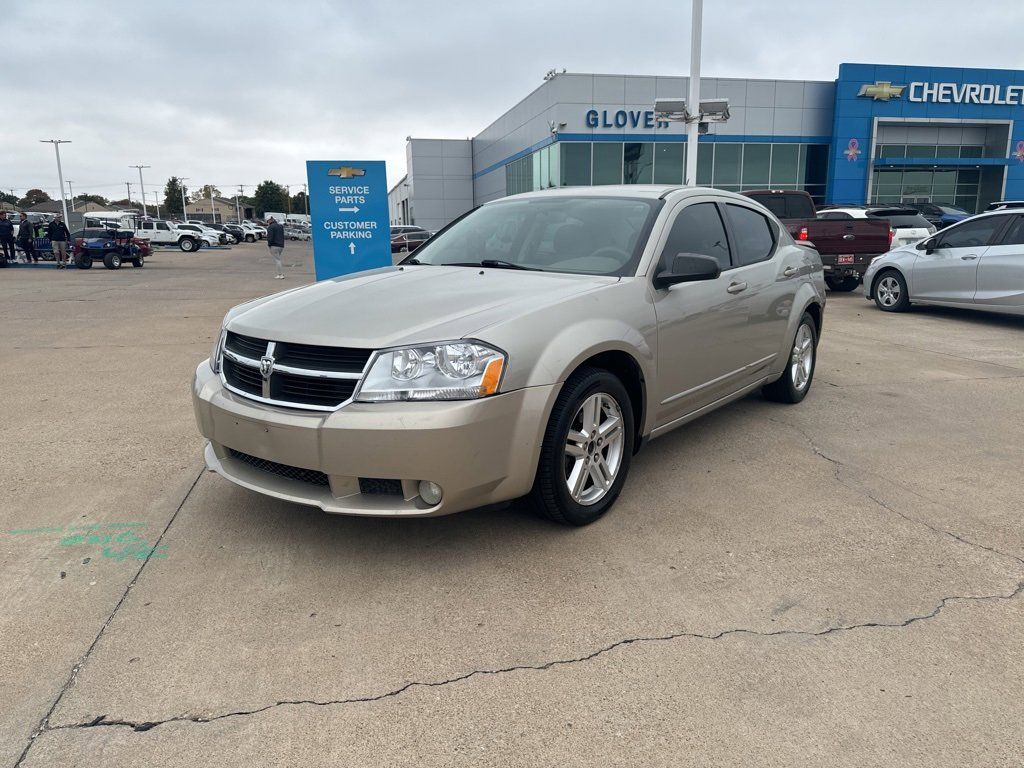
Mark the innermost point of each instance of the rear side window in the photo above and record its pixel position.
(1015, 234)
(971, 234)
(798, 207)
(698, 229)
(834, 216)
(903, 220)
(752, 234)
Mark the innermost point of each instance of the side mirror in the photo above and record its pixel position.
(687, 268)
(928, 245)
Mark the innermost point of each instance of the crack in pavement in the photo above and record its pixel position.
(102, 721)
(44, 724)
(839, 467)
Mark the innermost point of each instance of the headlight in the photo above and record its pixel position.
(218, 348)
(454, 370)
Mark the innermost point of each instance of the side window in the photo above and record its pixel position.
(834, 216)
(162, 226)
(972, 234)
(698, 229)
(754, 239)
(147, 225)
(1014, 233)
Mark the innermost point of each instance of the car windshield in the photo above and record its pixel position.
(901, 219)
(585, 234)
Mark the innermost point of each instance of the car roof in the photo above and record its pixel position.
(861, 212)
(635, 191)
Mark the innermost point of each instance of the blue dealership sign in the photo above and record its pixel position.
(348, 205)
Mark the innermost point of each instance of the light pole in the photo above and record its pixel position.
(213, 208)
(71, 194)
(238, 210)
(181, 188)
(288, 197)
(60, 173)
(305, 197)
(156, 201)
(142, 189)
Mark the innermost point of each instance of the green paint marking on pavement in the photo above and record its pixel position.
(24, 531)
(118, 540)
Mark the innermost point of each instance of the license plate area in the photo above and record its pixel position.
(845, 258)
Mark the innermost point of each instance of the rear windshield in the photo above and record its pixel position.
(901, 219)
(585, 234)
(786, 206)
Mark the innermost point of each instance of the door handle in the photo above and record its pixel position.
(848, 237)
(968, 258)
(736, 287)
(789, 271)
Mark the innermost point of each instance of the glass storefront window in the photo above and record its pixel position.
(816, 171)
(576, 164)
(972, 151)
(637, 163)
(607, 162)
(891, 150)
(921, 150)
(727, 165)
(785, 165)
(554, 153)
(757, 161)
(705, 164)
(669, 162)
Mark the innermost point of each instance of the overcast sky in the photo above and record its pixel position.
(238, 92)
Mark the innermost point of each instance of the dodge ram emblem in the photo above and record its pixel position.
(266, 367)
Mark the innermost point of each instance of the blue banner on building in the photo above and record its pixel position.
(348, 205)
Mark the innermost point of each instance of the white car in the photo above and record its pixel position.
(977, 263)
(160, 232)
(907, 226)
(256, 229)
(209, 236)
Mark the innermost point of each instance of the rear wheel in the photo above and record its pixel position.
(891, 294)
(250, 239)
(842, 284)
(84, 261)
(795, 381)
(187, 244)
(139, 261)
(587, 449)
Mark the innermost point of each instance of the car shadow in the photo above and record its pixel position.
(991, 319)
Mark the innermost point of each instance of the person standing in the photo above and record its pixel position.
(7, 238)
(275, 242)
(58, 234)
(25, 235)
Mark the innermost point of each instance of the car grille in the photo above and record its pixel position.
(376, 486)
(322, 378)
(311, 476)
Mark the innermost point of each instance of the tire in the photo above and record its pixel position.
(250, 239)
(590, 394)
(84, 261)
(187, 244)
(890, 291)
(112, 260)
(139, 261)
(796, 379)
(842, 284)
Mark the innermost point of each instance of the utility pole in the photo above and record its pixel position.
(128, 186)
(305, 197)
(213, 208)
(71, 194)
(181, 188)
(693, 126)
(142, 189)
(238, 210)
(60, 173)
(288, 197)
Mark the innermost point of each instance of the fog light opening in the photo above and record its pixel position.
(430, 492)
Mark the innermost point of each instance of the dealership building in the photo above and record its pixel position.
(879, 133)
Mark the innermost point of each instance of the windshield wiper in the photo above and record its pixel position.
(492, 263)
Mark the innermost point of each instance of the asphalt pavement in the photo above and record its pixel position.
(833, 583)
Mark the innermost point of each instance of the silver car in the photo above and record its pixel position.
(977, 263)
(528, 350)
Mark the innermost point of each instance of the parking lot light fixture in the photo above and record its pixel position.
(142, 189)
(60, 173)
(181, 188)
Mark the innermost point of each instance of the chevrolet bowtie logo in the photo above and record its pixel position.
(882, 90)
(347, 172)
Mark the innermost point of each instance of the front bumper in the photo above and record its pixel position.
(479, 451)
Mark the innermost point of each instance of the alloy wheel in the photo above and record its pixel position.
(593, 449)
(802, 358)
(888, 290)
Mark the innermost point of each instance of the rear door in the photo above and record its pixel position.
(950, 271)
(1001, 269)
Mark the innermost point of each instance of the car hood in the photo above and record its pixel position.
(409, 305)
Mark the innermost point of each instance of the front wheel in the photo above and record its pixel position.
(891, 294)
(112, 260)
(842, 284)
(250, 239)
(587, 448)
(796, 379)
(139, 261)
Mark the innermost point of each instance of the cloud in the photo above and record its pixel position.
(230, 93)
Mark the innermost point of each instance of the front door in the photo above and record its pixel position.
(950, 271)
(702, 340)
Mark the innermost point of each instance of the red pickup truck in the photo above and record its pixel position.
(846, 247)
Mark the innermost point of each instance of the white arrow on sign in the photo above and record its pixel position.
(353, 209)
(352, 248)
